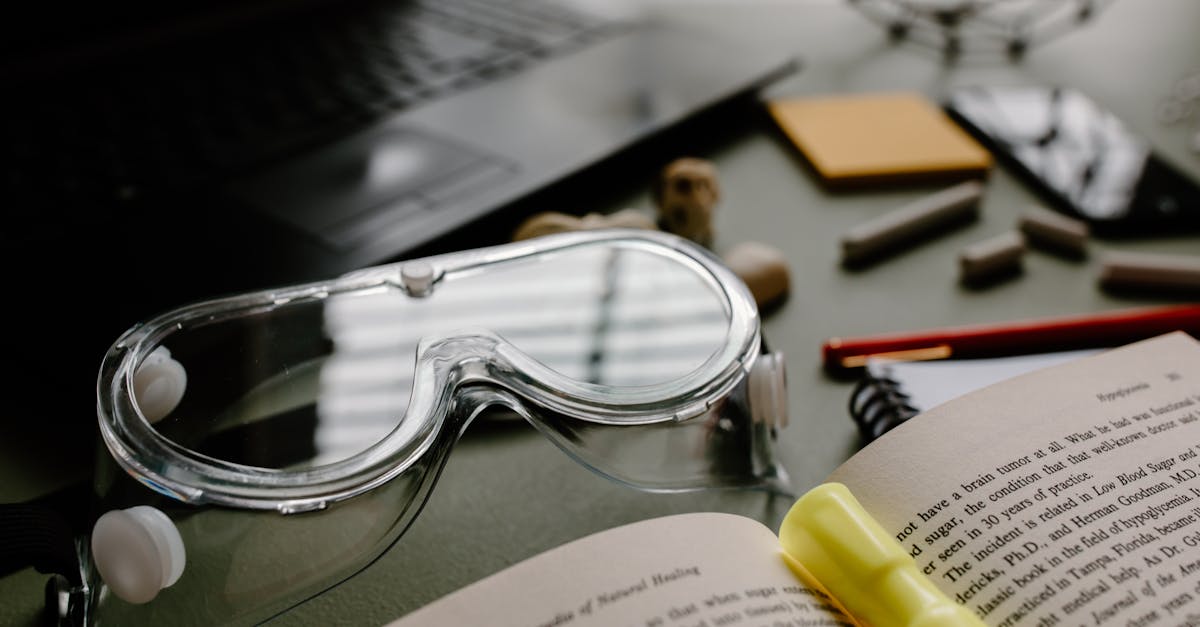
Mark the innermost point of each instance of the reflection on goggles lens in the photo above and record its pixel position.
(336, 404)
(319, 380)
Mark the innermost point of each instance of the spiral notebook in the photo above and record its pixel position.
(891, 392)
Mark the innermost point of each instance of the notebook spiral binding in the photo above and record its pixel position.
(878, 405)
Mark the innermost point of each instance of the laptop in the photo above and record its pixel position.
(161, 153)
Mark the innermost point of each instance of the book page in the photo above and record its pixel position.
(1066, 496)
(688, 570)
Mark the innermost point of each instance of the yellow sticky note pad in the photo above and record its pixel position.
(876, 138)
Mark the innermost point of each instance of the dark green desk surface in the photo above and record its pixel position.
(507, 494)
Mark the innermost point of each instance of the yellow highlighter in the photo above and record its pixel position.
(829, 537)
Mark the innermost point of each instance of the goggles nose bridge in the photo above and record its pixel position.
(452, 368)
(473, 369)
(473, 399)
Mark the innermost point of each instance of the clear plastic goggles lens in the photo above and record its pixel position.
(319, 377)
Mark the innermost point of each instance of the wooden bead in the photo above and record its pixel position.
(1054, 232)
(549, 222)
(764, 270)
(911, 223)
(992, 257)
(1151, 271)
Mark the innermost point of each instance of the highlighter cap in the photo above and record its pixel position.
(838, 544)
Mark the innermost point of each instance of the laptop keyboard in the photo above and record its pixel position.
(188, 115)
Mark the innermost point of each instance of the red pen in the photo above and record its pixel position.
(1026, 336)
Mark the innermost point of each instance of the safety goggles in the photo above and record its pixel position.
(265, 447)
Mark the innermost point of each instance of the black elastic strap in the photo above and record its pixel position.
(34, 535)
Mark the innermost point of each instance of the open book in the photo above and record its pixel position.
(1066, 496)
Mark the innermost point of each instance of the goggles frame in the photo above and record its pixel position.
(448, 367)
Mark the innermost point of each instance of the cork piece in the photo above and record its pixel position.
(911, 222)
(1145, 271)
(763, 268)
(686, 193)
(1054, 232)
(549, 222)
(992, 258)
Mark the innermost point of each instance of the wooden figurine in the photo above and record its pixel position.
(686, 194)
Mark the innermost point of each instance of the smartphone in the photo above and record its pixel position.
(1083, 159)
